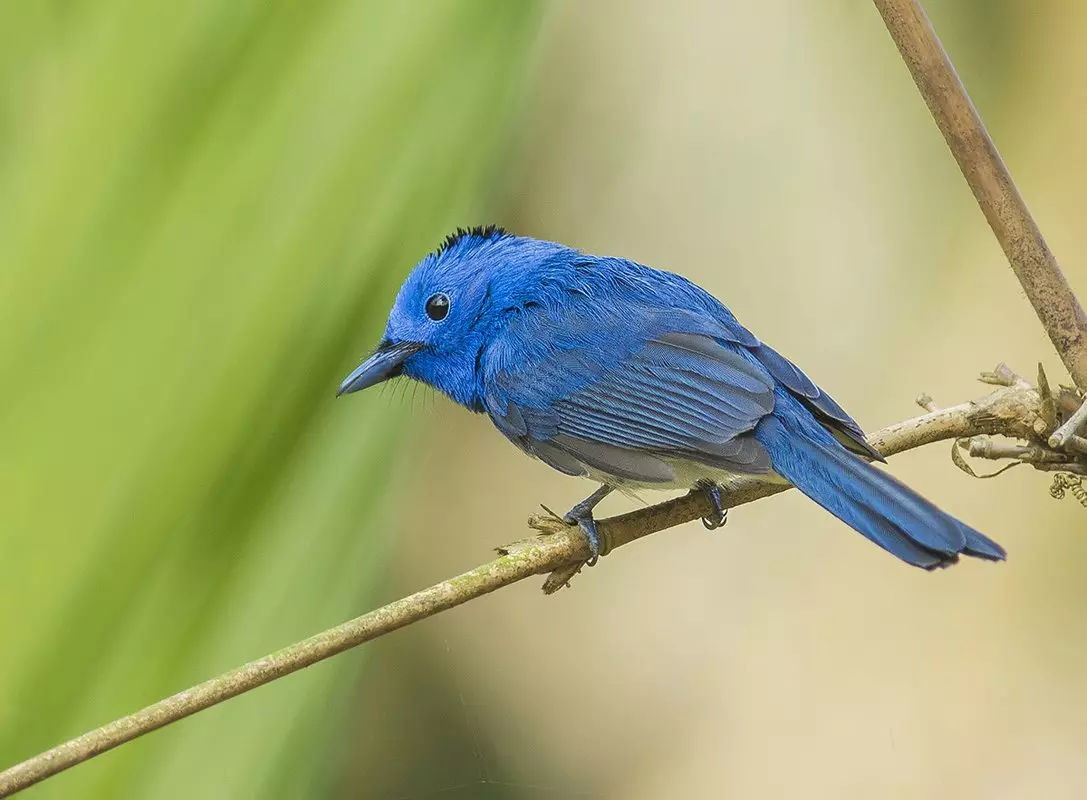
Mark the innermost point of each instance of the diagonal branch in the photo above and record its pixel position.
(1011, 411)
(1057, 307)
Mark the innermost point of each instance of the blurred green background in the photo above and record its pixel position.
(205, 210)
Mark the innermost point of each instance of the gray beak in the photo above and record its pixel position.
(386, 362)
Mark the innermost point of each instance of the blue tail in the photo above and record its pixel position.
(865, 497)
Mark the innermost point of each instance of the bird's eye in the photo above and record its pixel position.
(437, 306)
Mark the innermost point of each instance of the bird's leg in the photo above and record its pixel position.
(582, 516)
(720, 514)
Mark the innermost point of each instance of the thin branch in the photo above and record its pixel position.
(1067, 432)
(1010, 411)
(1077, 445)
(1058, 309)
(509, 568)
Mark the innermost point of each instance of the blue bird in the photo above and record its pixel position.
(637, 378)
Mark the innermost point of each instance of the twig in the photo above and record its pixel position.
(926, 402)
(1010, 411)
(1067, 432)
(1060, 312)
(984, 447)
(1076, 444)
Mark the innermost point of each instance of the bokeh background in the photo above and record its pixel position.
(205, 211)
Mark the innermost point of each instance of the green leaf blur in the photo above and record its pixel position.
(204, 210)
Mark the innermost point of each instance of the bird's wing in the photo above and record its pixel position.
(822, 405)
(790, 376)
(627, 403)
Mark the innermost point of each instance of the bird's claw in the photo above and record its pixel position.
(720, 514)
(582, 516)
(588, 527)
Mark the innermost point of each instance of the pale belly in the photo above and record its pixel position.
(688, 475)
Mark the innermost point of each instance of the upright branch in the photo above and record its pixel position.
(1057, 307)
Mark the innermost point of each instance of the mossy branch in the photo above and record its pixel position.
(560, 550)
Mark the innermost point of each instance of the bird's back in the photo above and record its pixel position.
(594, 353)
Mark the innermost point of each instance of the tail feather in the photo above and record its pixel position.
(865, 497)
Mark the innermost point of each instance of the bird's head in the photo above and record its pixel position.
(448, 308)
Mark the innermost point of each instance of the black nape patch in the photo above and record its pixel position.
(483, 232)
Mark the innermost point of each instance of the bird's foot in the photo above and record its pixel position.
(582, 516)
(720, 514)
(584, 520)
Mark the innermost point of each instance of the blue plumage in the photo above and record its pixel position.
(637, 377)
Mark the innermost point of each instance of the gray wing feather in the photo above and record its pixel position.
(680, 396)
